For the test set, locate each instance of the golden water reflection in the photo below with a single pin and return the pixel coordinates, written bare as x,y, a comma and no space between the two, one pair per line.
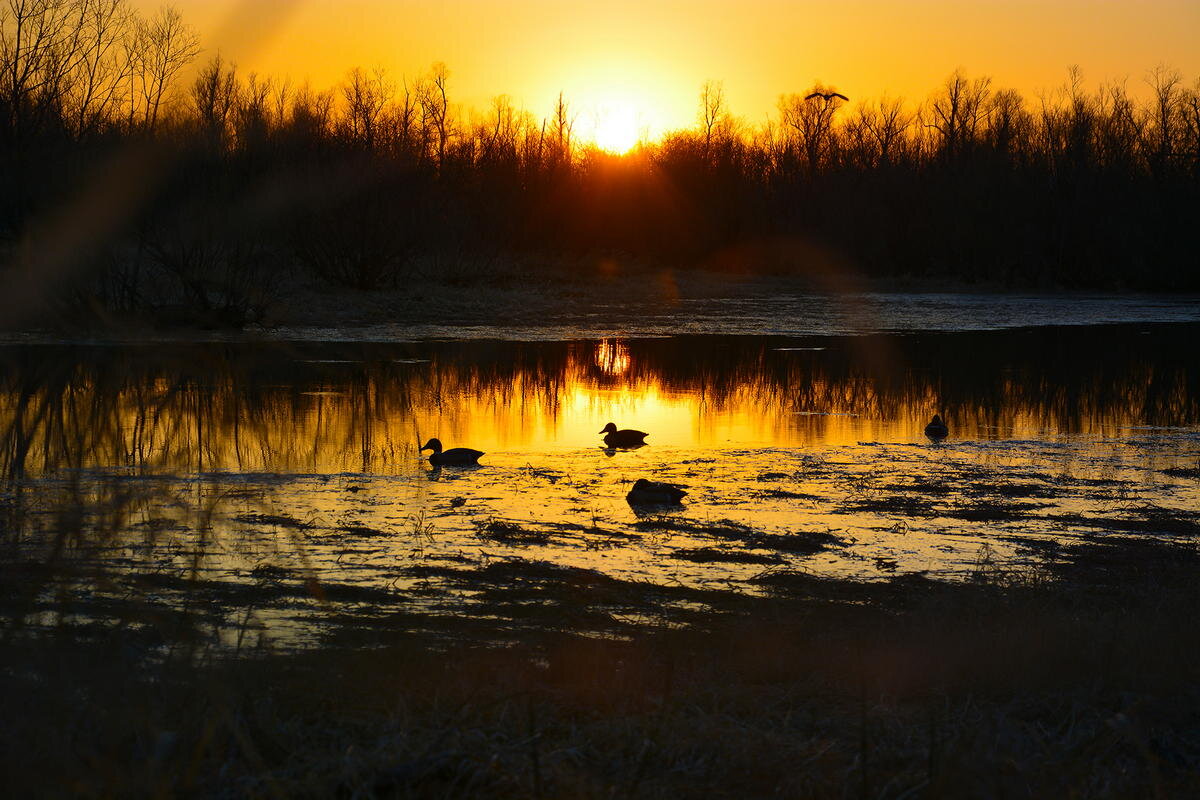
363,408
301,459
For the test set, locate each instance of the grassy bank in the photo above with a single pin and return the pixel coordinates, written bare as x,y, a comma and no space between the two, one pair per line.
1077,679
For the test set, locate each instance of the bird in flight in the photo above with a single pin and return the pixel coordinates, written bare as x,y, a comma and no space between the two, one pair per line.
828,96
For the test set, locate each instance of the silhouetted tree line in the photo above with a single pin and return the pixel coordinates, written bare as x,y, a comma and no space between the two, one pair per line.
250,178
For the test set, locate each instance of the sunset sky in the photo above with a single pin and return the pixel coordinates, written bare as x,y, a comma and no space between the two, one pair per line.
644,60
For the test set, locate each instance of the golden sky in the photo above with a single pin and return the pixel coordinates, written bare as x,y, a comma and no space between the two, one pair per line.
646,59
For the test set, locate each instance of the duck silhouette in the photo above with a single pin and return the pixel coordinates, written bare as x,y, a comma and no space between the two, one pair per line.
455,456
937,428
623,438
647,493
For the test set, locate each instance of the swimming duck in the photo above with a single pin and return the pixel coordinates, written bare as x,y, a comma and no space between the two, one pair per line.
625,438
646,492
455,456
937,428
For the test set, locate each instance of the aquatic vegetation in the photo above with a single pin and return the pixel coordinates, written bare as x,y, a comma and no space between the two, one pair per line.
1144,520
717,555
510,532
1182,472
907,505
273,520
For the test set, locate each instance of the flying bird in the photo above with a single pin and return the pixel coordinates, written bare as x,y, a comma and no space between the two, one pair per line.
828,96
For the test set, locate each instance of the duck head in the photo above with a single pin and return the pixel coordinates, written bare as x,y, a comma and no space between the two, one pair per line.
937,420
609,428
433,444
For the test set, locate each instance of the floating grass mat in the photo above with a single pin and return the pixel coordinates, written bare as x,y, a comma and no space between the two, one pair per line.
1182,472
160,525
274,520
716,555
922,486
993,511
365,531
1014,489
785,494
509,532
798,542
800,584
269,583
721,529
1147,519
902,505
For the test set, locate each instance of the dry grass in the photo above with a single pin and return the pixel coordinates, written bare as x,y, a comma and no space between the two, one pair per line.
1010,685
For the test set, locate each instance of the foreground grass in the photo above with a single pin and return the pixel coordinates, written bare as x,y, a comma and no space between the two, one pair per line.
1078,682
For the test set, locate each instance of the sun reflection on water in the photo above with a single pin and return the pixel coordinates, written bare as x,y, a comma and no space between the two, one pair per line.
267,412
290,458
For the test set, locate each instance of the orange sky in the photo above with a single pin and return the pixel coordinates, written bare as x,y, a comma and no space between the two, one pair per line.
647,59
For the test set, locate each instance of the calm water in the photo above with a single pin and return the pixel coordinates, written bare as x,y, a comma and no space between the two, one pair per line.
237,461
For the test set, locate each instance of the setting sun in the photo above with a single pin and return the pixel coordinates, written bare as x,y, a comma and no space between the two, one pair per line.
618,103
616,129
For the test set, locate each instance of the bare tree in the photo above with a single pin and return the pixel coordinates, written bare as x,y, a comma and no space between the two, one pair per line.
401,121
563,130
500,134
215,98
1007,121
254,116
164,45
956,111
1119,131
1165,115
39,44
1191,126
712,112
435,108
102,67
885,123
366,96
311,114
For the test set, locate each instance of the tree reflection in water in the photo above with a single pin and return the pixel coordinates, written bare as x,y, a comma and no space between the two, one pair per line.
335,408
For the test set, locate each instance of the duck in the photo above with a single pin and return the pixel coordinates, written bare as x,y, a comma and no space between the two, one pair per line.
646,492
455,456
623,438
937,428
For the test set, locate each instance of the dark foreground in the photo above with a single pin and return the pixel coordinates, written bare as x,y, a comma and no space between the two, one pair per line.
1078,678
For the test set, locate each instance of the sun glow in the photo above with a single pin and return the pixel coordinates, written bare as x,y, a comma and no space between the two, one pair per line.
615,104
618,129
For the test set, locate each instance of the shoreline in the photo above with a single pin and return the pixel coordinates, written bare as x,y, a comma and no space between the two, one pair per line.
644,302
1009,683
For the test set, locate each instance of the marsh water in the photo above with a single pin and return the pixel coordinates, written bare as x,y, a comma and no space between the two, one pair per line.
293,465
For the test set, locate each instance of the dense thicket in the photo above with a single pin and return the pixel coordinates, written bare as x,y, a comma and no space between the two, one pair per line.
204,190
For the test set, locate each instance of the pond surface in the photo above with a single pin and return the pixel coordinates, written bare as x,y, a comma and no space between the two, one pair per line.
294,465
